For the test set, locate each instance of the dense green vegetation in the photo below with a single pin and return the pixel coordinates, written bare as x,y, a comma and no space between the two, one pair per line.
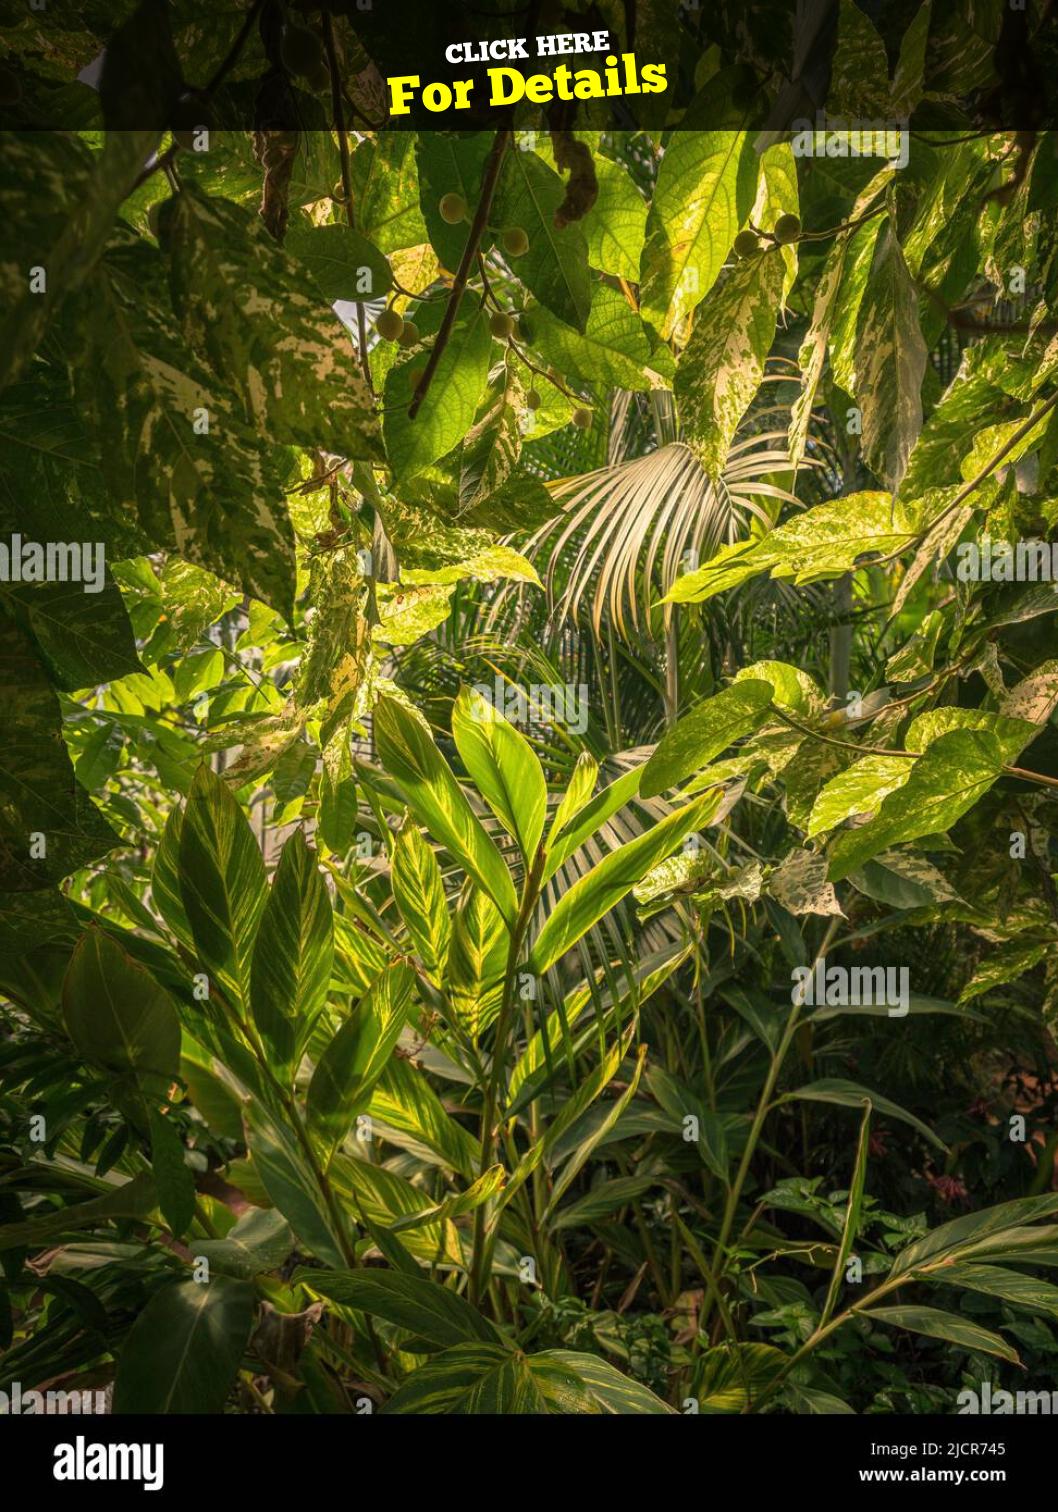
527,880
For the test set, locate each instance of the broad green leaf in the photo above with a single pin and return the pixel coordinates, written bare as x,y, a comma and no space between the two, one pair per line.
504,768
222,884
1011,734
355,1058
450,163
721,367
848,1094
184,1349
175,453
173,1176
953,1329
705,188
555,268
83,637
280,1164
292,955
411,758
343,264
40,799
454,1206
613,352
259,1242
730,1376
117,1014
419,895
859,789
404,1100
891,362
423,1307
608,1388
709,729
590,815
616,224
243,308
477,961
955,772
595,893
1012,1286
450,407
133,1199
64,201
962,1238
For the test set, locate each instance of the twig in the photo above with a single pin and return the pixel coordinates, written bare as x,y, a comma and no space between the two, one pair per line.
481,215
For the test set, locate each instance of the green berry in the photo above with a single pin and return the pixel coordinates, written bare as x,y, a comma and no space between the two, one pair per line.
533,399
746,243
501,326
787,228
582,418
515,241
301,51
389,325
453,208
409,335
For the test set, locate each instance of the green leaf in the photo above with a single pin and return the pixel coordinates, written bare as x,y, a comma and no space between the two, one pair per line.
133,1199
222,884
63,200
962,1238
616,224
504,768
292,954
42,807
848,1094
936,1324
425,1308
613,352
853,1213
184,1349
243,308
172,1174
705,187
117,1014
859,789
477,961
589,818
280,1164
411,758
709,729
83,638
1012,1286
355,1058
610,1390
419,895
555,268
449,163
451,404
891,362
176,456
955,772
595,893
485,1187
721,367
343,264
259,1242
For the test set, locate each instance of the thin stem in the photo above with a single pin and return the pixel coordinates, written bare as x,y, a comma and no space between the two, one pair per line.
488,188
